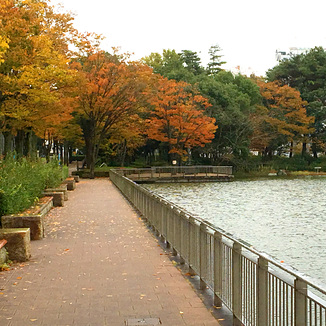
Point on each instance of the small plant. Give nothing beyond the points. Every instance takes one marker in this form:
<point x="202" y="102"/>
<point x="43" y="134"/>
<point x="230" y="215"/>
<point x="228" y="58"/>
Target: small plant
<point x="6" y="266"/>
<point x="23" y="181"/>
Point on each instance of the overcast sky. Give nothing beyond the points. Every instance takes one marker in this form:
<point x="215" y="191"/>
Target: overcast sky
<point x="248" y="31"/>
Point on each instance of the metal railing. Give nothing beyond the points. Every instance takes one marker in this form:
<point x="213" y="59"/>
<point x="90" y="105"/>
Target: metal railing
<point x="176" y="171"/>
<point x="257" y="289"/>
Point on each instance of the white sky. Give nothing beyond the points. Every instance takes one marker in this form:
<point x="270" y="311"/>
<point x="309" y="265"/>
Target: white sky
<point x="248" y="31"/>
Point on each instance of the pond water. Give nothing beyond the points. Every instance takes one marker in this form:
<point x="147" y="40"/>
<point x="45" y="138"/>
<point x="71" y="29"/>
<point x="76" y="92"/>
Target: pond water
<point x="284" y="218"/>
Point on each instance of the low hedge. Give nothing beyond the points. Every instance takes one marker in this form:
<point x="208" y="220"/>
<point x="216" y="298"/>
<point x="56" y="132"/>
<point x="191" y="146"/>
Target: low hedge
<point x="22" y="182"/>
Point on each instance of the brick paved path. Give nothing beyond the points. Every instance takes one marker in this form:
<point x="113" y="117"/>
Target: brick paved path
<point x="98" y="265"/>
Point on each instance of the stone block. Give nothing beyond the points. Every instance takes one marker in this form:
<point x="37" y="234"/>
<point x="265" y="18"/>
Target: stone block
<point x="3" y="252"/>
<point x="34" y="222"/>
<point x="71" y="183"/>
<point x="58" y="198"/>
<point x="18" y="243"/>
<point x="62" y="188"/>
<point x="46" y="206"/>
<point x="76" y="178"/>
<point x="3" y="256"/>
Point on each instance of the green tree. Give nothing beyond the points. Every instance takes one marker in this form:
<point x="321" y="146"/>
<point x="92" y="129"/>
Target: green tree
<point x="215" y="63"/>
<point x="172" y="65"/>
<point x="233" y="99"/>
<point x="191" y="62"/>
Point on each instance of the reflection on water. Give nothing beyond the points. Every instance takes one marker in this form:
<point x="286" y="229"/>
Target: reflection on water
<point x="285" y="218"/>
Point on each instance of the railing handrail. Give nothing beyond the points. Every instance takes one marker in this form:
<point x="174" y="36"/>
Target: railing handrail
<point x="285" y="267"/>
<point x="211" y="229"/>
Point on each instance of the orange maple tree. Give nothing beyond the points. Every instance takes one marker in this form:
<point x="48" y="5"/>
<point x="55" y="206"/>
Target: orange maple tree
<point x="112" y="90"/>
<point x="178" y="117"/>
<point x="284" y="114"/>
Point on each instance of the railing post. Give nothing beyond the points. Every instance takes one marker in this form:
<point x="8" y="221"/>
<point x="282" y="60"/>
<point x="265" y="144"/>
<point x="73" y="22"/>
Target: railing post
<point x="262" y="292"/>
<point x="300" y="302"/>
<point x="192" y="245"/>
<point x="182" y="249"/>
<point x="236" y="284"/>
<point x="202" y="255"/>
<point x="218" y="261"/>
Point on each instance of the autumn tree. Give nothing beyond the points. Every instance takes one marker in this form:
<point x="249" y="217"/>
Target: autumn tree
<point x="125" y="138"/>
<point x="112" y="90"/>
<point x="306" y="73"/>
<point x="286" y="117"/>
<point x="35" y="79"/>
<point x="178" y="118"/>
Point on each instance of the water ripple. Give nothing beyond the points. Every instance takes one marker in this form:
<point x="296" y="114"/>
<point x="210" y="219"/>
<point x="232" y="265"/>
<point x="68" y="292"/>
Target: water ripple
<point x="286" y="218"/>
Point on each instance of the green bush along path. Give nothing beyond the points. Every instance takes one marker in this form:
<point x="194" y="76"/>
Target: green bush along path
<point x="23" y="181"/>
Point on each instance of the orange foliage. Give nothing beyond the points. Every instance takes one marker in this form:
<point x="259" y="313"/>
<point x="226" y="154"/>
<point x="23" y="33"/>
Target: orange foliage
<point x="284" y="113"/>
<point x="178" y="117"/>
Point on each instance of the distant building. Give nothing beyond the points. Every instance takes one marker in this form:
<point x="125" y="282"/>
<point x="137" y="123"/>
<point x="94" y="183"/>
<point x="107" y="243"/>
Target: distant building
<point x="289" y="53"/>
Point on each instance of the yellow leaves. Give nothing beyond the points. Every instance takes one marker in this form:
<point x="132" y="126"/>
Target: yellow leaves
<point x="3" y="47"/>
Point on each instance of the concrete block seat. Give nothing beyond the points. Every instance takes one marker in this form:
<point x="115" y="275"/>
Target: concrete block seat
<point x="58" y="197"/>
<point x="32" y="218"/>
<point x="71" y="183"/>
<point x="18" y="243"/>
<point x="62" y="188"/>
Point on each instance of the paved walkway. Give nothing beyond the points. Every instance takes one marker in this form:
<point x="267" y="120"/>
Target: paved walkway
<point x="98" y="265"/>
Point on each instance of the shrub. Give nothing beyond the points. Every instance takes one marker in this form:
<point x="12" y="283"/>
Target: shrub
<point x="22" y="182"/>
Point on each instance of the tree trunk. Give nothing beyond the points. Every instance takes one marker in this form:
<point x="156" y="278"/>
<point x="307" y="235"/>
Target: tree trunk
<point x="304" y="149"/>
<point x="48" y="147"/>
<point x="61" y="154"/>
<point x="2" y="144"/>
<point x="31" y="151"/>
<point x="8" y="147"/>
<point x="90" y="156"/>
<point x="314" y="149"/>
<point x="20" y="141"/>
<point x="291" y="149"/>
<point x="124" y="152"/>
<point x="92" y="163"/>
<point x="66" y="154"/>
<point x="70" y="154"/>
